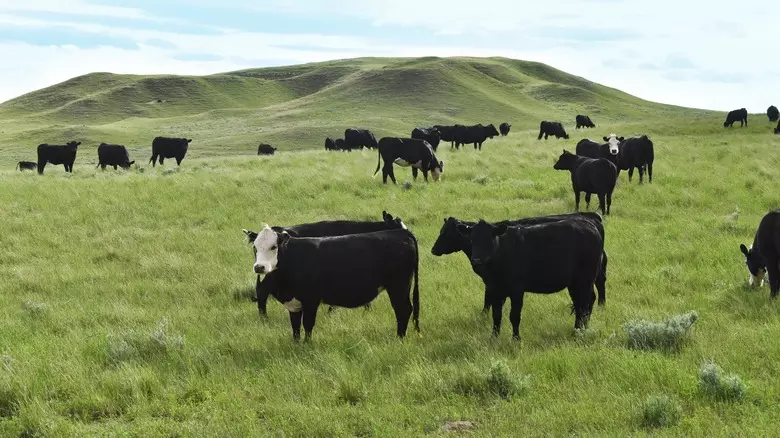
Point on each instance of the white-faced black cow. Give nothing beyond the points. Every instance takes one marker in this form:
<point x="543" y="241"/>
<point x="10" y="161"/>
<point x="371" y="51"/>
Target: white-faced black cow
<point x="584" y="122"/>
<point x="475" y="134"/>
<point x="323" y="229"/>
<point x="166" y="147"/>
<point x="635" y="152"/>
<point x="57" y="154"/>
<point x="589" y="175"/>
<point x="450" y="241"/>
<point x="591" y="149"/>
<point x="740" y="115"/>
<point x="330" y="145"/>
<point x="544" y="258"/>
<point x="763" y="257"/>
<point x="772" y="113"/>
<point x="26" y="165"/>
<point x="407" y="152"/>
<point x="266" y="149"/>
<point x="431" y="135"/>
<point x="345" y="271"/>
<point x="113" y="155"/>
<point x="504" y="128"/>
<point x="359" y="138"/>
<point x="547" y="129"/>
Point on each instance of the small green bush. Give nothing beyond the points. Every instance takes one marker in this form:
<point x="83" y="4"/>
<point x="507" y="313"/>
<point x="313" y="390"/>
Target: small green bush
<point x="497" y="381"/>
<point x="669" y="335"/>
<point x="714" y="383"/>
<point x="659" y="412"/>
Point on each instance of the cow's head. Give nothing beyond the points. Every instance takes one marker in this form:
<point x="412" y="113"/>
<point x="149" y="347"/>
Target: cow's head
<point x="74" y="144"/>
<point x="189" y="140"/>
<point x="128" y="164"/>
<point x="484" y="240"/>
<point x="614" y="143"/>
<point x="755" y="264"/>
<point x="266" y="247"/>
<point x="565" y="161"/>
<point x="437" y="168"/>
<point x="389" y="219"/>
<point x="449" y="240"/>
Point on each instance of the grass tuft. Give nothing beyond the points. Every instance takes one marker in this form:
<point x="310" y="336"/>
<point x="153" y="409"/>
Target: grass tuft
<point x="714" y="383"/>
<point x="669" y="335"/>
<point x="660" y="412"/>
<point x="498" y="381"/>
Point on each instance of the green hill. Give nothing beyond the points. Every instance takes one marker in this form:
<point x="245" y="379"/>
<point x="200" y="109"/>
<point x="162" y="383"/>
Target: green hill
<point x="295" y="107"/>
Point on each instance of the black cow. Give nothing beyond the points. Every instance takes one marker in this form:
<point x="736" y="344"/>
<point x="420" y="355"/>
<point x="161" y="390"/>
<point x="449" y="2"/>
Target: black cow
<point x="431" y="135"/>
<point x="113" y="155"/>
<point x="591" y="149"/>
<point x="323" y="229"/>
<point x="547" y="129"/>
<point x="584" y="122"/>
<point x="450" y="241"/>
<point x="407" y="152"/>
<point x="772" y="113"/>
<point x="636" y="152"/>
<point x="504" y="128"/>
<point x="543" y="258"/>
<point x="265" y="149"/>
<point x="57" y="154"/>
<point x="763" y="257"/>
<point x="589" y="175"/>
<point x="166" y="147"/>
<point x="740" y="115"/>
<point x="26" y="165"/>
<point x="476" y="135"/>
<point x="342" y="145"/>
<point x="359" y="138"/>
<point x="448" y="132"/>
<point x="330" y="145"/>
<point x="345" y="271"/>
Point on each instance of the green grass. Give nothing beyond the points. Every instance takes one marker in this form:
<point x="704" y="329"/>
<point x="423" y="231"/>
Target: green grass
<point x="125" y="311"/>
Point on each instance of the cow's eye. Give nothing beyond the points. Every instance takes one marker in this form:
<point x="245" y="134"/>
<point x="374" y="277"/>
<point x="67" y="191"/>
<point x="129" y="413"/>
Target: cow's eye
<point x="273" y="248"/>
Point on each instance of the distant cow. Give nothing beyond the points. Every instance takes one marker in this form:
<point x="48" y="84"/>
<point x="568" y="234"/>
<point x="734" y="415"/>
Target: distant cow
<point x="345" y="271"/>
<point x="584" y="122"/>
<point x="476" y="135"/>
<point x="547" y="129"/>
<point x="447" y="133"/>
<point x="265" y="149"/>
<point x="431" y="135"/>
<point x="636" y="152"/>
<point x="26" y="165"/>
<point x="330" y="145"/>
<point x="763" y="257"/>
<point x="450" y="241"/>
<point x="113" y="155"/>
<point x="589" y="175"/>
<point x="740" y="115"/>
<point x="504" y="128"/>
<point x="57" y="154"/>
<point x="359" y="138"/>
<point x="608" y="151"/>
<point x="323" y="229"/>
<point x="544" y="258"/>
<point x="773" y="113"/>
<point x="407" y="152"/>
<point x="342" y="145"/>
<point x="166" y="147"/>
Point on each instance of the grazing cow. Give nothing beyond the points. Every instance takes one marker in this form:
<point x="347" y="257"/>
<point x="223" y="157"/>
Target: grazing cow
<point x="584" y="122"/>
<point x="608" y="151"/>
<point x="547" y="129"/>
<point x="740" y="115"/>
<point x="448" y="133"/>
<point x="26" y="165"/>
<point x="589" y="175"/>
<point x="543" y="258"/>
<point x="504" y="128"/>
<point x="763" y="257"/>
<point x="330" y="145"/>
<point x="450" y="241"/>
<point x="342" y="145"/>
<point x="323" y="229"/>
<point x="431" y="135"/>
<point x="166" y="147"/>
<point x="345" y="271"/>
<point x="265" y="149"/>
<point x="772" y="113"/>
<point x="359" y="138"/>
<point x="57" y="154"/>
<point x="113" y="155"/>
<point x="407" y="152"/>
<point x="476" y="135"/>
<point x="636" y="152"/>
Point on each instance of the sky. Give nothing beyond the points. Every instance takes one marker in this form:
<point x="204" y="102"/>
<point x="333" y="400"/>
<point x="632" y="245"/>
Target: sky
<point x="712" y="54"/>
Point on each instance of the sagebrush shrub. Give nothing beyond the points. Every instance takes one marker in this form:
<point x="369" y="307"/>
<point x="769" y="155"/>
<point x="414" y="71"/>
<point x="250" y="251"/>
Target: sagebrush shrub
<point x="497" y="381"/>
<point x="660" y="411"/>
<point x="714" y="383"/>
<point x="669" y="335"/>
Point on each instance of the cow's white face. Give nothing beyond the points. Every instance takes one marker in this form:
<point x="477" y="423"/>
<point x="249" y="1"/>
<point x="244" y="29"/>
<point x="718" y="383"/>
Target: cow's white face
<point x="436" y="171"/>
<point x="758" y="279"/>
<point x="613" y="144"/>
<point x="266" y="251"/>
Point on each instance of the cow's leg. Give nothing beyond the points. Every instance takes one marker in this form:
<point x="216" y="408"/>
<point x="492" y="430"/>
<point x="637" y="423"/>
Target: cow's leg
<point x="773" y="272"/>
<point x="391" y="173"/>
<point x="601" y="280"/>
<point x="641" y="173"/>
<point x="602" y="203"/>
<point x="630" y="173"/>
<point x="541" y="133"/>
<point x="582" y="298"/>
<point x="498" y="309"/>
<point x="650" y="172"/>
<point x="576" y="199"/>
<point x="178" y="161"/>
<point x="587" y="200"/>
<point x="262" y="298"/>
<point x="402" y="306"/>
<point x="153" y="160"/>
<point x="488" y="300"/>
<point x="425" y="175"/>
<point x="162" y="160"/>
<point x="295" y="322"/>
<point x="114" y="166"/>
<point x="41" y="165"/>
<point x="514" y="313"/>
<point x="414" y="174"/>
<point x="309" y="317"/>
<point x="609" y="201"/>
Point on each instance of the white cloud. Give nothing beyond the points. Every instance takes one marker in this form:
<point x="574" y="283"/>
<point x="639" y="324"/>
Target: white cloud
<point x="70" y="7"/>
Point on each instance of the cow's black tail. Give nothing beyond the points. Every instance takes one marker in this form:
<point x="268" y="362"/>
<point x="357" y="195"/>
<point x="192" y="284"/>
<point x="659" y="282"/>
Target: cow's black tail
<point x="378" y="161"/>
<point x="416" y="291"/>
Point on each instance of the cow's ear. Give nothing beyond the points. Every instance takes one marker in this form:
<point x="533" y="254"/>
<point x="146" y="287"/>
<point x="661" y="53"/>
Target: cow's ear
<point x="464" y="230"/>
<point x="441" y="165"/>
<point x="499" y="230"/>
<point x="189" y="140"/>
<point x="621" y="138"/>
<point x="251" y="236"/>
<point x="605" y="138"/>
<point x="744" y="249"/>
<point x="386" y="217"/>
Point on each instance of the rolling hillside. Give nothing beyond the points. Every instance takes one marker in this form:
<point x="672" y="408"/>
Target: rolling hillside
<point x="296" y="107"/>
